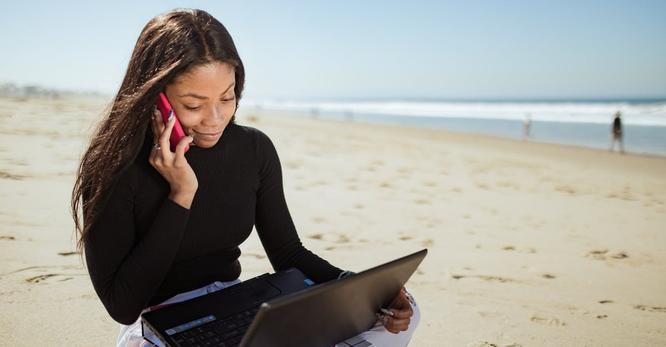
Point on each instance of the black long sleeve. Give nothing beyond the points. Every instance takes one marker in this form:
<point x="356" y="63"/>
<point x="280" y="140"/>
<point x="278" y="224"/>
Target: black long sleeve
<point x="275" y="226"/>
<point x="145" y="248"/>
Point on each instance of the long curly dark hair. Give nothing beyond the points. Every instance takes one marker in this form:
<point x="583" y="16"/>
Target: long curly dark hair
<point x="170" y="44"/>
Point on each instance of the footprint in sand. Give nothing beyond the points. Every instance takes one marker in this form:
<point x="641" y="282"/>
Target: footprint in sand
<point x="316" y="236"/>
<point x="483" y="344"/>
<point x="319" y="220"/>
<point x="294" y="164"/>
<point x="8" y="238"/>
<point x="427" y="243"/>
<point x="650" y="308"/>
<point x="251" y="118"/>
<point x="547" y="321"/>
<point x="619" y="255"/>
<point x="599" y="254"/>
<point x="565" y="189"/>
<point x="255" y="255"/>
<point x="64" y="254"/>
<point x="48" y="278"/>
<point x="405" y="237"/>
<point x="11" y="176"/>
<point x="605" y="301"/>
<point x="485" y="278"/>
<point x="507" y="184"/>
<point x="490" y="344"/>
<point x="603" y="254"/>
<point x="483" y="186"/>
<point x="496" y="279"/>
<point x="343" y="239"/>
<point x="529" y="250"/>
<point x="548" y="276"/>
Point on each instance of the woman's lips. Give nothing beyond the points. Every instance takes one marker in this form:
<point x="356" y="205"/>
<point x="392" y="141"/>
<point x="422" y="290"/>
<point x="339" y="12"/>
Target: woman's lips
<point x="208" y="136"/>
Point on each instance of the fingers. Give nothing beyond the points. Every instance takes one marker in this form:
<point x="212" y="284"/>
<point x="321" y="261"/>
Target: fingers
<point x="164" y="138"/>
<point x="157" y="124"/>
<point x="400" y="302"/>
<point x="395" y="325"/>
<point x="402" y="313"/>
<point x="156" y="120"/>
<point x="180" y="148"/>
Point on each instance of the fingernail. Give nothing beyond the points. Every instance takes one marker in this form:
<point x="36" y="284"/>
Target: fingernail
<point x="170" y="116"/>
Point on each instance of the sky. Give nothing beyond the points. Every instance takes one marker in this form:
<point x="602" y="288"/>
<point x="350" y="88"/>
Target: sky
<point x="331" y="50"/>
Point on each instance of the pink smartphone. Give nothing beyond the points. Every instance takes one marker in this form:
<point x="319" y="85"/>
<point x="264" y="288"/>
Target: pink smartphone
<point x="166" y="110"/>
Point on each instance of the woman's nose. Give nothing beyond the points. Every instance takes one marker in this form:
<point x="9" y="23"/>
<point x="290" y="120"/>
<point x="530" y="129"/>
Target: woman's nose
<point x="216" y="114"/>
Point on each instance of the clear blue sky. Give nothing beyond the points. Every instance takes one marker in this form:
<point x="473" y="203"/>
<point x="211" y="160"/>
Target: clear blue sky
<point x="365" y="49"/>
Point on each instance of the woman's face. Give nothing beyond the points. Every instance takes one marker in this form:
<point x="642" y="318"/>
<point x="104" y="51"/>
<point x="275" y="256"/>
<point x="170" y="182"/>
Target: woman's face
<point x="204" y="101"/>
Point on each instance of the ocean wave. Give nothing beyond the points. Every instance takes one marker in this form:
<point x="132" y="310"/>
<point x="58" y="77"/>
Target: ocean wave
<point x="649" y="114"/>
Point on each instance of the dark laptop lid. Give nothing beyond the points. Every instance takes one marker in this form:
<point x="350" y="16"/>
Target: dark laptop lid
<point x="325" y="314"/>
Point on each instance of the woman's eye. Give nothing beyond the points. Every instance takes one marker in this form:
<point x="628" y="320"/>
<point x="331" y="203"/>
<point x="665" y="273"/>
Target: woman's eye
<point x="230" y="99"/>
<point x="189" y="108"/>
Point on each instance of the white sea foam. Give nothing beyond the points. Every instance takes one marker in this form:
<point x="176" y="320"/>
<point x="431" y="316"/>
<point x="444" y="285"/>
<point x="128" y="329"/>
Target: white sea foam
<point x="651" y="114"/>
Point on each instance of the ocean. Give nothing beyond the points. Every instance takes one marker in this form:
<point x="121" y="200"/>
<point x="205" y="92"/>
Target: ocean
<point x="584" y="123"/>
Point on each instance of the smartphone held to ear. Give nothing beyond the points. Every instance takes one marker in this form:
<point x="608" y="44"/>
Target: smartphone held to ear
<point x="167" y="111"/>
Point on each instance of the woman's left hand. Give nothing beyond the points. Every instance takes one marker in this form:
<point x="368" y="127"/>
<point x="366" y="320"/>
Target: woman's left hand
<point x="402" y="313"/>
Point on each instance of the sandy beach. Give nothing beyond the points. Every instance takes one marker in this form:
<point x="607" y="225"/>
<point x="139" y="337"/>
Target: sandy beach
<point x="529" y="244"/>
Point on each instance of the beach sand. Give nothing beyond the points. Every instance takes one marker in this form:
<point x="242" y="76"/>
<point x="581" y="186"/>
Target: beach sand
<point x="529" y="244"/>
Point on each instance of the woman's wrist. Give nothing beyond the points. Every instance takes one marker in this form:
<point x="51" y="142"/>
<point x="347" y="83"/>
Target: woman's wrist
<point x="182" y="198"/>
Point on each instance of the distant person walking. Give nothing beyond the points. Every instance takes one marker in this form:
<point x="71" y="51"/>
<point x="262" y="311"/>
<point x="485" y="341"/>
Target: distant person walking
<point x="616" y="133"/>
<point x="527" y="126"/>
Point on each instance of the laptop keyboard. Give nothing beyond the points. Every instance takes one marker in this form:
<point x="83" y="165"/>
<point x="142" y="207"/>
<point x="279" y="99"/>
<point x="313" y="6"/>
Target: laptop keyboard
<point x="222" y="333"/>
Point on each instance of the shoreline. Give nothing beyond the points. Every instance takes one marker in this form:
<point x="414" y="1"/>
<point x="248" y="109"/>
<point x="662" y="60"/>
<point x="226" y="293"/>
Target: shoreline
<point x="462" y="134"/>
<point x="457" y="125"/>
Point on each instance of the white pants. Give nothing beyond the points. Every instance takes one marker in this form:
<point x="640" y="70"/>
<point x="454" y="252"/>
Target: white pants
<point x="130" y="335"/>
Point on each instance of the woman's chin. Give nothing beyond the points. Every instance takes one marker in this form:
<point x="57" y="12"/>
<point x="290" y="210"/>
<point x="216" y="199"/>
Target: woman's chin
<point x="206" y="141"/>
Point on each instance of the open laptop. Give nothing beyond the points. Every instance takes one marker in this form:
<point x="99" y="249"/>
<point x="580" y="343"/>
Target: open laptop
<point x="283" y="309"/>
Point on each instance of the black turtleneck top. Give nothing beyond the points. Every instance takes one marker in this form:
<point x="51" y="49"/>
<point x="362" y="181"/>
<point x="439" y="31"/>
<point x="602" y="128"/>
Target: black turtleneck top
<point x="144" y="248"/>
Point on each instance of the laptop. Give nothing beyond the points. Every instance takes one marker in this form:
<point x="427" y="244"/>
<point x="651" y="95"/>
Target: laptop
<point x="283" y="309"/>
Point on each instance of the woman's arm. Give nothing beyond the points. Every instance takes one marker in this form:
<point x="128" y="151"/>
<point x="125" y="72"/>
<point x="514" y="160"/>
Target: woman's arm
<point x="274" y="224"/>
<point x="127" y="270"/>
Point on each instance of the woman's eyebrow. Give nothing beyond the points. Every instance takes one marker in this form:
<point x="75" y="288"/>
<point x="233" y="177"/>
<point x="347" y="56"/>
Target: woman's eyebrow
<point x="204" y="97"/>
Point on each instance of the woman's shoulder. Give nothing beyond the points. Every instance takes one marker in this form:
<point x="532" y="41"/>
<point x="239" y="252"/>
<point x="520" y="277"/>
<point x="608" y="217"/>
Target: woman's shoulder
<point x="258" y="138"/>
<point x="249" y="131"/>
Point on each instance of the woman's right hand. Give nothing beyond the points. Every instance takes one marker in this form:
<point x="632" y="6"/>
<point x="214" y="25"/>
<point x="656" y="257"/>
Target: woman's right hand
<point x="172" y="165"/>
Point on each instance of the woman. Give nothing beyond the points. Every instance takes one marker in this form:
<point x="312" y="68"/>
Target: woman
<point x="161" y="226"/>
